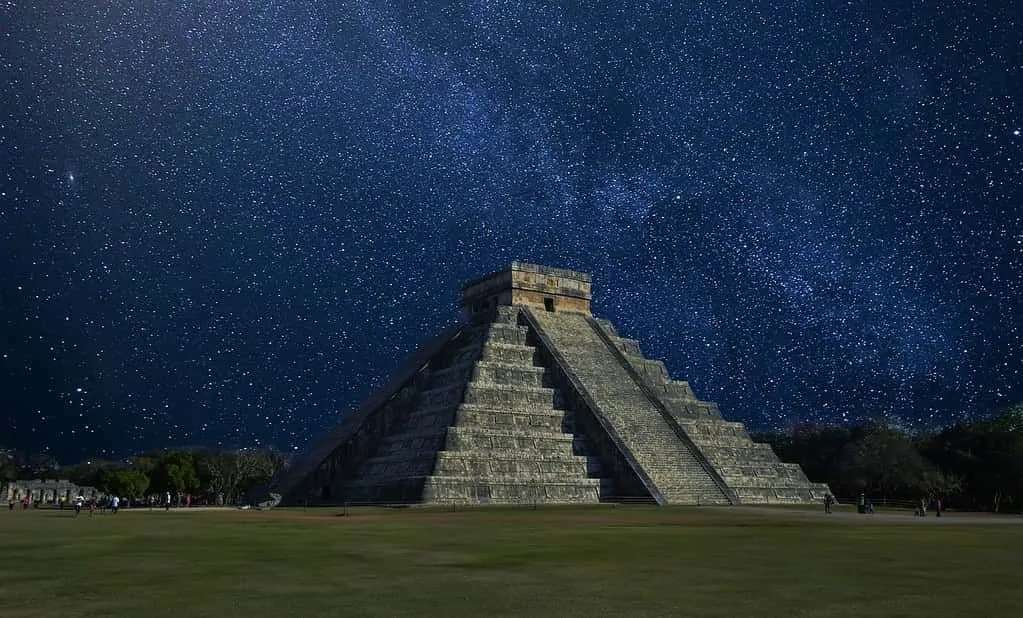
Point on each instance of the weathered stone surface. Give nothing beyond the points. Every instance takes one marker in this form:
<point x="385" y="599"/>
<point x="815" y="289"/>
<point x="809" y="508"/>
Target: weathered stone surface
<point x="534" y="400"/>
<point x="751" y="470"/>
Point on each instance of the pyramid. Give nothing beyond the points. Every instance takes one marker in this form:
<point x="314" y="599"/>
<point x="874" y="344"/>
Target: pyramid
<point x="533" y="400"/>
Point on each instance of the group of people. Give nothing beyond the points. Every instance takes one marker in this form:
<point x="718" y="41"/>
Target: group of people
<point x="113" y="502"/>
<point x="79" y="502"/>
<point x="25" y="503"/>
<point x="865" y="506"/>
<point x="921" y="509"/>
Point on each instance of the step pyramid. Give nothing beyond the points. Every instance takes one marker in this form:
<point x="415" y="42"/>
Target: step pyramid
<point x="532" y="400"/>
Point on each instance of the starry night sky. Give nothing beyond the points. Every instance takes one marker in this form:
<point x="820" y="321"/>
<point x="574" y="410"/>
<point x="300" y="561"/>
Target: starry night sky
<point x="224" y="222"/>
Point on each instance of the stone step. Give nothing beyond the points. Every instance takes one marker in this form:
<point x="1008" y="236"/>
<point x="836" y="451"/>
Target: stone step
<point x="509" y="374"/>
<point x="447" y="395"/>
<point x="726" y="454"/>
<point x="521" y="466"/>
<point x="712" y="428"/>
<point x="481" y="440"/>
<point x="510" y="397"/>
<point x="673" y="390"/>
<point x="766" y="482"/>
<point x="628" y="346"/>
<point x="469" y="490"/>
<point x="429" y="419"/>
<point x="466" y="439"/>
<point x="448" y="489"/>
<point x="705" y="442"/>
<point x="488" y="417"/>
<point x="779" y="495"/>
<point x="653" y="372"/>
<point x="467" y="464"/>
<point x="691" y="409"/>
<point x="450" y="376"/>
<point x="765" y="470"/>
<point x="430" y="440"/>
<point x="545" y="419"/>
<point x="380" y="475"/>
<point x="509" y="354"/>
<point x="506" y="333"/>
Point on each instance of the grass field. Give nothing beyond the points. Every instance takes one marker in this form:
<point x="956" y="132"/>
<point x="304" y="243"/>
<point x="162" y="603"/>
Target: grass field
<point x="593" y="561"/>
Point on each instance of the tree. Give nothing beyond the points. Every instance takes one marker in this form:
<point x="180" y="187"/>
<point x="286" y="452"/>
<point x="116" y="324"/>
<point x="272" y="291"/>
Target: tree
<point x="884" y="460"/>
<point x="126" y="482"/>
<point x="233" y="473"/>
<point x="175" y="472"/>
<point x="988" y="458"/>
<point x="1002" y="442"/>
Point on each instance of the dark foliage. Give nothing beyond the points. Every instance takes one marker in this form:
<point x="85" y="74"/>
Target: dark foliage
<point x="975" y="465"/>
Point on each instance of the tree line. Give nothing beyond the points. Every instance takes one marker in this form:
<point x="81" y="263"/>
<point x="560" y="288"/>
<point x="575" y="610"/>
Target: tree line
<point x="209" y="476"/>
<point x="975" y="466"/>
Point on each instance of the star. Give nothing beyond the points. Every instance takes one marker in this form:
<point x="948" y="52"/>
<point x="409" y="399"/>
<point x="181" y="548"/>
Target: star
<point x="285" y="205"/>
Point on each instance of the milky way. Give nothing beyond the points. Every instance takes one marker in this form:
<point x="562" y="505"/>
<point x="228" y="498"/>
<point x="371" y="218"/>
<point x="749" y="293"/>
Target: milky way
<point x="225" y="222"/>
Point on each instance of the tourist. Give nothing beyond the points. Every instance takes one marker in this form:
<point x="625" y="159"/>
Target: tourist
<point x="79" y="501"/>
<point x="828" y="501"/>
<point x="937" y="507"/>
<point x="167" y="502"/>
<point x="861" y="503"/>
<point x="92" y="506"/>
<point x="10" y="504"/>
<point x="114" y="503"/>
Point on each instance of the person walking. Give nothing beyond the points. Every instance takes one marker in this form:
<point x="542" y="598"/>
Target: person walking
<point x="115" y="502"/>
<point x="79" y="501"/>
<point x="167" y="502"/>
<point x="828" y="501"/>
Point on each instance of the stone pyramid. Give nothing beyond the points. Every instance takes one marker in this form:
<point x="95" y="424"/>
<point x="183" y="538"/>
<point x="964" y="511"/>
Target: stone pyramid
<point x="534" y="400"/>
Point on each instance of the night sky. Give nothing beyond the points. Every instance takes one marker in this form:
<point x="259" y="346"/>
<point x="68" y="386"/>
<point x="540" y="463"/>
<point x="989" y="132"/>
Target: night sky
<point x="224" y="222"/>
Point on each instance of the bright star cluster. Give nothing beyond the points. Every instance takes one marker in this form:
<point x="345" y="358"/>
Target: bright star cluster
<point x="225" y="223"/>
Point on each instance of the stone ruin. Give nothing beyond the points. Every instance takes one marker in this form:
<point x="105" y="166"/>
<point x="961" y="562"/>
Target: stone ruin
<point x="47" y="491"/>
<point x="533" y="400"/>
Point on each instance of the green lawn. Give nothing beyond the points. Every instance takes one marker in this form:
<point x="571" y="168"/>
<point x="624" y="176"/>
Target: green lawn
<point x="593" y="561"/>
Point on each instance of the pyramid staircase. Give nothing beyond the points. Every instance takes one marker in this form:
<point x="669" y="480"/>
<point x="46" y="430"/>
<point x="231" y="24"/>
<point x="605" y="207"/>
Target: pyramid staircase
<point x="673" y="465"/>
<point x="487" y="428"/>
<point x="752" y="470"/>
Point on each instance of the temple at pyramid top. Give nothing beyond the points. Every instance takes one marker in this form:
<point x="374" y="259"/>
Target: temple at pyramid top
<point x="533" y="399"/>
<point x="529" y="285"/>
